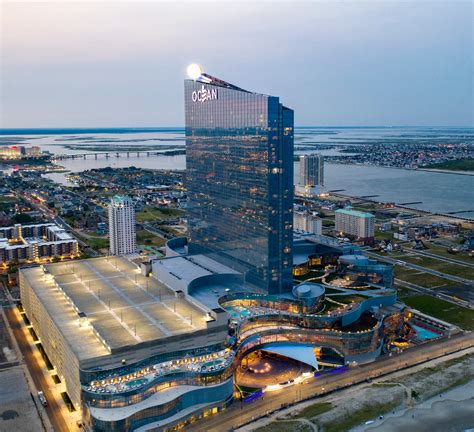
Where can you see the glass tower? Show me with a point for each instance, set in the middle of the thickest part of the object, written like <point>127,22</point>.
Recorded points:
<point>312,170</point>
<point>239,159</point>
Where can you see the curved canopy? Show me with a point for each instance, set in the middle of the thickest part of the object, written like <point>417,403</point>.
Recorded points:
<point>302,353</point>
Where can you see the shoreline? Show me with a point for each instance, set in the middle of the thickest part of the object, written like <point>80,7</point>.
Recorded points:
<point>454,406</point>
<point>343,399</point>
<point>442,171</point>
<point>424,212</point>
<point>455,217</point>
<point>432,170</point>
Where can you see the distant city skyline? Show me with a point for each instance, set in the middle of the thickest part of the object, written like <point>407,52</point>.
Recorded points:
<point>101,65</point>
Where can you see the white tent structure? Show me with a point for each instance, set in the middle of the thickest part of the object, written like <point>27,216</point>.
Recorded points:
<point>302,353</point>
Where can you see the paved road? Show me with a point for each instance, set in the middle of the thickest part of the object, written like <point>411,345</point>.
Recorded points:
<point>420,268</point>
<point>53,409</point>
<point>442,258</point>
<point>63,224</point>
<point>240,413</point>
<point>58,220</point>
<point>156,231</point>
<point>434,293</point>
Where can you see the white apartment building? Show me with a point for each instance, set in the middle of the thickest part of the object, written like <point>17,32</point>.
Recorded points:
<point>355,223</point>
<point>307,222</point>
<point>122,231</point>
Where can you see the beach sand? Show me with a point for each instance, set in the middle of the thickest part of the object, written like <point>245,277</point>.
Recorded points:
<point>451,411</point>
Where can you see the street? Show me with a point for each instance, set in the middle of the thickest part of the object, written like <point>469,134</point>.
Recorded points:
<point>420,268</point>
<point>433,293</point>
<point>53,409</point>
<point>442,258</point>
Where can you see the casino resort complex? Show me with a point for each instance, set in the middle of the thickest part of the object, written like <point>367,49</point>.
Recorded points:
<point>241,306</point>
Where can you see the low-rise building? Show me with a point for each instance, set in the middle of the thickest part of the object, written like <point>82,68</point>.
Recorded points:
<point>385,226</point>
<point>359,268</point>
<point>307,222</point>
<point>36,243</point>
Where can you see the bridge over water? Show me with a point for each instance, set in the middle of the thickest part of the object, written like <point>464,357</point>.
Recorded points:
<point>117,154</point>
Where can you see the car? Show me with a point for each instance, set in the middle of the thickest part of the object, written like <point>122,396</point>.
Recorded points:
<point>42,398</point>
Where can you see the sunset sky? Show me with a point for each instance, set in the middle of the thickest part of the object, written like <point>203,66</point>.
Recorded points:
<point>112,64</point>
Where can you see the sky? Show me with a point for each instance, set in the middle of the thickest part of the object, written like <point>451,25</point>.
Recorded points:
<point>337,63</point>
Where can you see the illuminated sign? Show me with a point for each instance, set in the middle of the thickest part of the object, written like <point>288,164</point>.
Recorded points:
<point>204,94</point>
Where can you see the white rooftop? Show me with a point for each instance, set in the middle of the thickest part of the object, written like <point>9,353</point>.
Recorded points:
<point>120,306</point>
<point>192,267</point>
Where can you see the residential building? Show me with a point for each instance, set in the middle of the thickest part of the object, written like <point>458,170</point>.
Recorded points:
<point>122,229</point>
<point>18,152</point>
<point>311,178</point>
<point>307,222</point>
<point>355,223</point>
<point>239,160</point>
<point>36,243</point>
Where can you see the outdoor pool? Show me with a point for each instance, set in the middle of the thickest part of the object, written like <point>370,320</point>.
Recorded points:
<point>423,333</point>
<point>238,311</point>
<point>136,382</point>
<point>212,363</point>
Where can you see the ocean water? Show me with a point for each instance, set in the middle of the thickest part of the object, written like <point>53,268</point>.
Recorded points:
<point>437,192</point>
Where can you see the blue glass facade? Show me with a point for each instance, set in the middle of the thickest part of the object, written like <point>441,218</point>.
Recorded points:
<point>239,157</point>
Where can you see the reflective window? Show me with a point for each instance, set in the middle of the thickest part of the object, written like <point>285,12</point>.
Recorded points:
<point>239,159</point>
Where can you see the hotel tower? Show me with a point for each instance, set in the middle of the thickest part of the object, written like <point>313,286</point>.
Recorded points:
<point>239,159</point>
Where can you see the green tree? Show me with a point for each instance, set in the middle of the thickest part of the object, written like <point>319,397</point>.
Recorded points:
<point>22,218</point>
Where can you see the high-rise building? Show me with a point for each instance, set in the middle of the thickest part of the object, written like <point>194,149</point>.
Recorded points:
<point>122,226</point>
<point>311,180</point>
<point>239,158</point>
<point>356,223</point>
<point>15,151</point>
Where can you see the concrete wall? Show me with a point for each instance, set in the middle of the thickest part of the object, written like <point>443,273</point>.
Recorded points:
<point>52,340</point>
<point>176,246</point>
